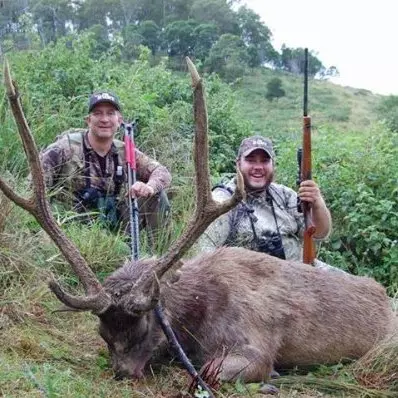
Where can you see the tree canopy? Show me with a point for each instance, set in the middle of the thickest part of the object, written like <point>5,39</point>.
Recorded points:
<point>227,39</point>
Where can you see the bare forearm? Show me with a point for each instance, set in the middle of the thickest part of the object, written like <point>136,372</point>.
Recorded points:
<point>310,193</point>
<point>321,218</point>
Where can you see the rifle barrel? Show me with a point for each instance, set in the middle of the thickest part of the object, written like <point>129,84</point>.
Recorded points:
<point>305,104</point>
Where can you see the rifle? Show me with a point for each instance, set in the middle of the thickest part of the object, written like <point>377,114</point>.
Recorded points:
<point>129,151</point>
<point>304,163</point>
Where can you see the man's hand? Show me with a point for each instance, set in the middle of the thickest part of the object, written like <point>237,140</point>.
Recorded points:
<point>141,190</point>
<point>309,192</point>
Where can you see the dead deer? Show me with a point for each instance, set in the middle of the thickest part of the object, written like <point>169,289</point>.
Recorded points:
<point>249,311</point>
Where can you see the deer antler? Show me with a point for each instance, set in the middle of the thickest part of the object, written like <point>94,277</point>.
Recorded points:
<point>38,206</point>
<point>206,210</point>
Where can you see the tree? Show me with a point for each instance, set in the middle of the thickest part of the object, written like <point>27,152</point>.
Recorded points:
<point>124,14</point>
<point>179,38</point>
<point>205,37</point>
<point>146,33</point>
<point>257,38</point>
<point>162,12</point>
<point>101,42</point>
<point>217,12</point>
<point>274,89</point>
<point>332,71</point>
<point>228,57</point>
<point>51,18</point>
<point>12,30</point>
<point>92,12</point>
<point>292,60</point>
<point>175,10</point>
<point>150,33</point>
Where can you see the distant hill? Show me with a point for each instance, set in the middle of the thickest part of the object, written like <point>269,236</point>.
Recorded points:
<point>329,104</point>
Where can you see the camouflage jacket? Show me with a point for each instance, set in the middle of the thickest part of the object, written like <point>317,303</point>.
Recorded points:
<point>235,228</point>
<point>64,167</point>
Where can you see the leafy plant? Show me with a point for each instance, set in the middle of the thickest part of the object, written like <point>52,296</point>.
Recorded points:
<point>274,89</point>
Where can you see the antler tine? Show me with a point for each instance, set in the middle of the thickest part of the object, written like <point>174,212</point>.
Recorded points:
<point>207,210</point>
<point>38,206</point>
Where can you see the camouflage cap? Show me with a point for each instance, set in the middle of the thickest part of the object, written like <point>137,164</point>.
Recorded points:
<point>103,96</point>
<point>250,144</point>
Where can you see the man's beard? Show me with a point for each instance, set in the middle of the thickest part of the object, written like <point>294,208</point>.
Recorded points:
<point>268,181</point>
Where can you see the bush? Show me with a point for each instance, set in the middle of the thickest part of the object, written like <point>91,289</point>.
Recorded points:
<point>274,89</point>
<point>359,178</point>
<point>388,111</point>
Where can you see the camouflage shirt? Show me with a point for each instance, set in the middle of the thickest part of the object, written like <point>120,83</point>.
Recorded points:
<point>63,164</point>
<point>235,228</point>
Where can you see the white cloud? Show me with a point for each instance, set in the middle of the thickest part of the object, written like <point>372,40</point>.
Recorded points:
<point>358,37</point>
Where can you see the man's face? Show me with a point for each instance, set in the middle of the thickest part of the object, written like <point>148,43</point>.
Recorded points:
<point>257,170</point>
<point>104,120</point>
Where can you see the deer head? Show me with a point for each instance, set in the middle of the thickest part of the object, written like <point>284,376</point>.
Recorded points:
<point>124,302</point>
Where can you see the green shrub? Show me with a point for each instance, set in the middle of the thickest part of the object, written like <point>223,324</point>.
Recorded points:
<point>388,111</point>
<point>359,178</point>
<point>274,89</point>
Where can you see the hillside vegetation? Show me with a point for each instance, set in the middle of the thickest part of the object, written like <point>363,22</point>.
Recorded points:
<point>346,108</point>
<point>51,354</point>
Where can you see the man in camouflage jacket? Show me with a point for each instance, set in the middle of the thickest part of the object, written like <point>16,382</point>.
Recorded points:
<point>83,168</point>
<point>268,221</point>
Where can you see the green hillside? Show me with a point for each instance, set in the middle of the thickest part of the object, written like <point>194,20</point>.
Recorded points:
<point>345,108</point>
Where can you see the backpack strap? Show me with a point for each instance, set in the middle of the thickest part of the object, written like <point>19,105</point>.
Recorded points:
<point>86,159</point>
<point>244,210</point>
<point>118,176</point>
<point>235,216</point>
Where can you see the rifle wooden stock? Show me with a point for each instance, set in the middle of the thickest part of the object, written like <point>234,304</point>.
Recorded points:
<point>306,174</point>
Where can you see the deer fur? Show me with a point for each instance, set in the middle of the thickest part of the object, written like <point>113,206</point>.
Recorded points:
<point>251,311</point>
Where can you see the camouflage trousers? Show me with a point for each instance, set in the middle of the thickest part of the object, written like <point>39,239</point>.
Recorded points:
<point>154,216</point>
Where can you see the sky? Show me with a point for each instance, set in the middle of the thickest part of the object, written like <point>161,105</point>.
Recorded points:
<point>360,38</point>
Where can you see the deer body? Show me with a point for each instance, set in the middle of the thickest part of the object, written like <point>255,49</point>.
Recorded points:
<point>255,310</point>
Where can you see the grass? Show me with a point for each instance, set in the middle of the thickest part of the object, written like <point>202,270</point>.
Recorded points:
<point>344,107</point>
<point>379,367</point>
<point>45,353</point>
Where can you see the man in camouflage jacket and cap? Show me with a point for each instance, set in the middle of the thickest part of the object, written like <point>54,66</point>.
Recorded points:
<point>268,221</point>
<point>86,169</point>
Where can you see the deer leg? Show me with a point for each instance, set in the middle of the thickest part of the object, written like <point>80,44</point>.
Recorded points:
<point>249,364</point>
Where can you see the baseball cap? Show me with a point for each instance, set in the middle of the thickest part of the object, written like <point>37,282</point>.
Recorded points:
<point>103,96</point>
<point>248,145</point>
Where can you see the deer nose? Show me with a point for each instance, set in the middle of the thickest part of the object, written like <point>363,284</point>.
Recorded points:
<point>118,376</point>
<point>121,374</point>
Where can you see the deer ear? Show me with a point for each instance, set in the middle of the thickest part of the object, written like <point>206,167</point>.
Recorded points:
<point>173,274</point>
<point>139,301</point>
<point>175,277</point>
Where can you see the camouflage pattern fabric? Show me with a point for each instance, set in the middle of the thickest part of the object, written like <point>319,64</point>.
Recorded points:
<point>63,166</point>
<point>290,222</point>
